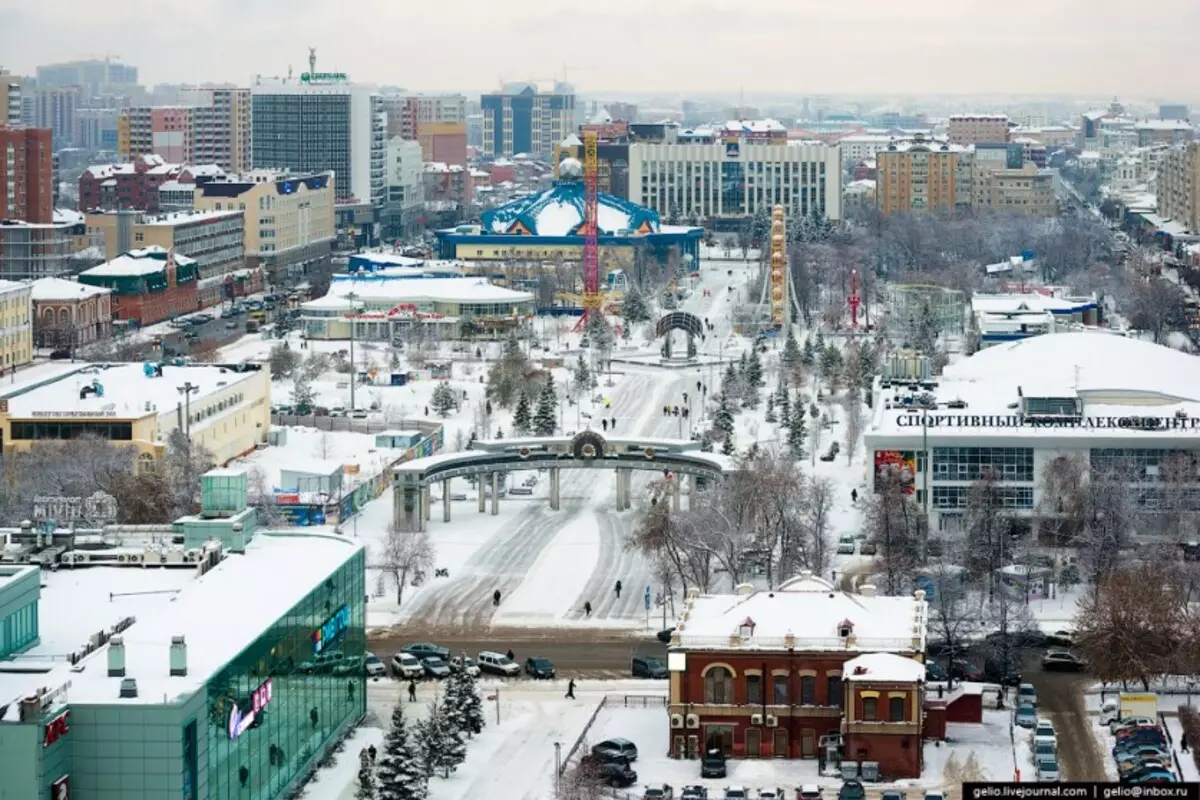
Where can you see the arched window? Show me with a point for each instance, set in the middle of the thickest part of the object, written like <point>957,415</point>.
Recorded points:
<point>718,686</point>
<point>48,316</point>
<point>64,316</point>
<point>808,690</point>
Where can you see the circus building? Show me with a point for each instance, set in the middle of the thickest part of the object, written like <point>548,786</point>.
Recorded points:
<point>549,227</point>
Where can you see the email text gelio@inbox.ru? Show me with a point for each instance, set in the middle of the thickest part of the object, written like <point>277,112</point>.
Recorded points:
<point>1079,791</point>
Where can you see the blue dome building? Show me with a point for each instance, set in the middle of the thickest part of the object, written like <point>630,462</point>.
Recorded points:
<point>549,226</point>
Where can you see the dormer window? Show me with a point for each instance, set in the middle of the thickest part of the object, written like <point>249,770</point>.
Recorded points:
<point>746,629</point>
<point>845,628</point>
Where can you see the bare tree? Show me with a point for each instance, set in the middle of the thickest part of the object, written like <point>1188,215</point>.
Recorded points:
<point>182,465</point>
<point>818,511</point>
<point>406,556</point>
<point>854,422</point>
<point>897,526</point>
<point>1110,521</point>
<point>262,498</point>
<point>1157,306</point>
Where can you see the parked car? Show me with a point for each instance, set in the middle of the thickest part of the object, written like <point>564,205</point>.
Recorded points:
<point>736,793</point>
<point>868,548</point>
<point>693,793</point>
<point>616,773</point>
<point>935,672</point>
<point>435,668</point>
<point>1044,751</point>
<point>1061,639</point>
<point>963,670</point>
<point>1145,751</point>
<point>426,649</point>
<point>643,667</point>
<point>995,671</point>
<point>809,791</point>
<point>1062,661</point>
<point>1148,776</point>
<point>852,790</point>
<point>1118,725</point>
<point>459,663</point>
<point>664,635</point>
<point>615,749</point>
<point>373,666</point>
<point>846,546</point>
<point>891,795</point>
<point>1017,640</point>
<point>1047,771</point>
<point>1025,717</point>
<point>658,791</point>
<point>1027,694</point>
<point>1131,764</point>
<point>536,667</point>
<point>712,765</point>
<point>1044,732</point>
<point>407,666</point>
<point>497,664</point>
<point>770,794</point>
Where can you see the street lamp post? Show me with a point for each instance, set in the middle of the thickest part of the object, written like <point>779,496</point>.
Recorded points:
<point>186,390</point>
<point>351,296</point>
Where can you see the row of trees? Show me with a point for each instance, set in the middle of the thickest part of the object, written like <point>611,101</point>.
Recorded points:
<point>436,744</point>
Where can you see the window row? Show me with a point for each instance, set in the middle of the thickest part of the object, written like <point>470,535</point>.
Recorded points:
<point>1145,464</point>
<point>773,689</point>
<point>113,431</point>
<point>896,710</point>
<point>972,463</point>
<point>959,496</point>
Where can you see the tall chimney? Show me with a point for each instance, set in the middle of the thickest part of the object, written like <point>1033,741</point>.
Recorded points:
<point>116,657</point>
<point>178,655</point>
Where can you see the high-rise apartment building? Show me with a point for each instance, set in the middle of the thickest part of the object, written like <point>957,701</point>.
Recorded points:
<point>215,130</point>
<point>1178,185</point>
<point>1022,190</point>
<point>1174,111</point>
<point>26,175</point>
<point>733,179</point>
<point>10,98</point>
<point>96,128</point>
<point>55,109</point>
<point>978,128</point>
<point>923,175</point>
<point>527,121</point>
<point>319,123</point>
<point>406,188</point>
<point>94,76</point>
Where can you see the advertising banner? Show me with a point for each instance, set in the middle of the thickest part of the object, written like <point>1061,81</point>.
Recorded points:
<point>901,462</point>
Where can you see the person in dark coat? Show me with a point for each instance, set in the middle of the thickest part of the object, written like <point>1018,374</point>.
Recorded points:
<point>371,751</point>
<point>496,597</point>
<point>854,495</point>
<point>571,689</point>
<point>412,691</point>
<point>510,655</point>
<point>618,588</point>
<point>587,608</point>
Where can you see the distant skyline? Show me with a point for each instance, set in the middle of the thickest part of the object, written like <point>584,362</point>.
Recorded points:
<point>802,47</point>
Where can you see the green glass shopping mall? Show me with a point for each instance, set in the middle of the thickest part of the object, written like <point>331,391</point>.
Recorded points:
<point>231,690</point>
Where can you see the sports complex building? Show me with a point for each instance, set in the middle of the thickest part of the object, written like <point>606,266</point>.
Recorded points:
<point>1116,403</point>
<point>234,685</point>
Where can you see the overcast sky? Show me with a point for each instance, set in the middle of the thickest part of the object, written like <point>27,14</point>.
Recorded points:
<point>801,46</point>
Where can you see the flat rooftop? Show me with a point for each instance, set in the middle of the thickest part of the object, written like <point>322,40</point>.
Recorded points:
<point>1112,377</point>
<point>126,389</point>
<point>435,290</point>
<point>219,615</point>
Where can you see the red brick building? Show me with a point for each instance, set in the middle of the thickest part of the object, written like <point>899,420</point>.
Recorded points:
<point>68,314</point>
<point>126,187</point>
<point>27,165</point>
<point>148,285</point>
<point>763,674</point>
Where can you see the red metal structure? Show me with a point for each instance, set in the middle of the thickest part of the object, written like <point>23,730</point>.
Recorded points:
<point>853,300</point>
<point>591,256</point>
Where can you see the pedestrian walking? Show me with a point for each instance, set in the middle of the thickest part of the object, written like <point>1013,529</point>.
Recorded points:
<point>571,689</point>
<point>854,495</point>
<point>510,655</point>
<point>412,690</point>
<point>614,423</point>
<point>427,411</point>
<point>604,424</point>
<point>587,608</point>
<point>618,588</point>
<point>496,597</point>
<point>371,751</point>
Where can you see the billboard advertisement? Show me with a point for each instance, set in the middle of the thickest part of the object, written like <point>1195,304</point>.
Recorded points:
<point>900,462</point>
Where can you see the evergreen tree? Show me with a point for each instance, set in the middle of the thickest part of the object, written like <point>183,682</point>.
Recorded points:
<point>760,225</point>
<point>723,416</point>
<point>819,344</point>
<point>866,363</point>
<point>468,701</point>
<point>365,788</point>
<point>506,377</point>
<point>754,371</point>
<point>582,377</point>
<point>706,442</point>
<point>831,362</point>
<point>303,394</point>
<point>452,704</point>
<point>731,385</point>
<point>523,416</point>
<point>926,335</point>
<point>545,420</point>
<point>634,307</point>
<point>443,401</point>
<point>727,445</point>
<point>441,743</point>
<point>402,774</point>
<point>791,352</point>
<point>796,433</point>
<point>806,354</point>
<point>770,414</point>
<point>785,406</point>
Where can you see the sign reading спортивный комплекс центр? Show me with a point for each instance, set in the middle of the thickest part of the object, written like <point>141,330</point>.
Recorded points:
<point>1016,421</point>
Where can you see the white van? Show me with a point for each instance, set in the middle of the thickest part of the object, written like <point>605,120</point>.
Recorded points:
<point>406,666</point>
<point>498,664</point>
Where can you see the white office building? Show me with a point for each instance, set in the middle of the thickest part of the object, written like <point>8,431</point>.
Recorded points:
<point>1120,405</point>
<point>321,122</point>
<point>405,188</point>
<point>732,180</point>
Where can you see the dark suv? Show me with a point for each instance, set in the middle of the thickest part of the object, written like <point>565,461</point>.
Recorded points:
<point>617,773</point>
<point>648,668</point>
<point>539,667</point>
<point>713,764</point>
<point>423,650</point>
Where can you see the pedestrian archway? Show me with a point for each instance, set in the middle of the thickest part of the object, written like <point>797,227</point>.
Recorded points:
<point>690,324</point>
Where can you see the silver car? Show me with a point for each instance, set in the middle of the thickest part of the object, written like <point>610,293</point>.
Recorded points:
<point>1047,771</point>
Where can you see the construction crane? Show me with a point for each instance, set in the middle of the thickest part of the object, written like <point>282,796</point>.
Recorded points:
<point>592,301</point>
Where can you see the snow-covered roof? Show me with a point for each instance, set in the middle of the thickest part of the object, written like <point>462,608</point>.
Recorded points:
<point>754,126</point>
<point>1030,301</point>
<point>1116,380</point>
<point>176,186</point>
<point>436,290</point>
<point>571,141</point>
<point>219,615</point>
<point>934,145</point>
<point>126,391</point>
<point>144,261</point>
<point>809,609</point>
<point>188,217</point>
<point>48,289</point>
<point>1163,125</point>
<point>884,668</point>
<point>68,216</point>
<point>559,211</point>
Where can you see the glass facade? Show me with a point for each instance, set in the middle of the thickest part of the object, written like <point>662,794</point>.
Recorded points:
<point>279,702</point>
<point>969,463</point>
<point>952,497</point>
<point>1142,464</point>
<point>19,629</point>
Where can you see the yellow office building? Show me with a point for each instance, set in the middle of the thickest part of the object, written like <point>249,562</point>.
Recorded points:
<point>16,325</point>
<point>225,410</point>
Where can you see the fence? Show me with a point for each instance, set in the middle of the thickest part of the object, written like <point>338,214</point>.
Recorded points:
<point>562,767</point>
<point>612,701</point>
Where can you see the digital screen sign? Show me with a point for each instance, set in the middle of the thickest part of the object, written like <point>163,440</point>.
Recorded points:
<point>334,627</point>
<point>239,720</point>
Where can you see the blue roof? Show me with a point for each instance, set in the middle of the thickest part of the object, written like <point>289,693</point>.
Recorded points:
<point>559,212</point>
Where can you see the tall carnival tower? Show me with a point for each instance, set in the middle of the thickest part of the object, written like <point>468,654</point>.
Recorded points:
<point>781,306</point>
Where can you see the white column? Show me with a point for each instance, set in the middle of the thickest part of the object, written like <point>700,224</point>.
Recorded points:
<point>495,493</point>
<point>446,500</point>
